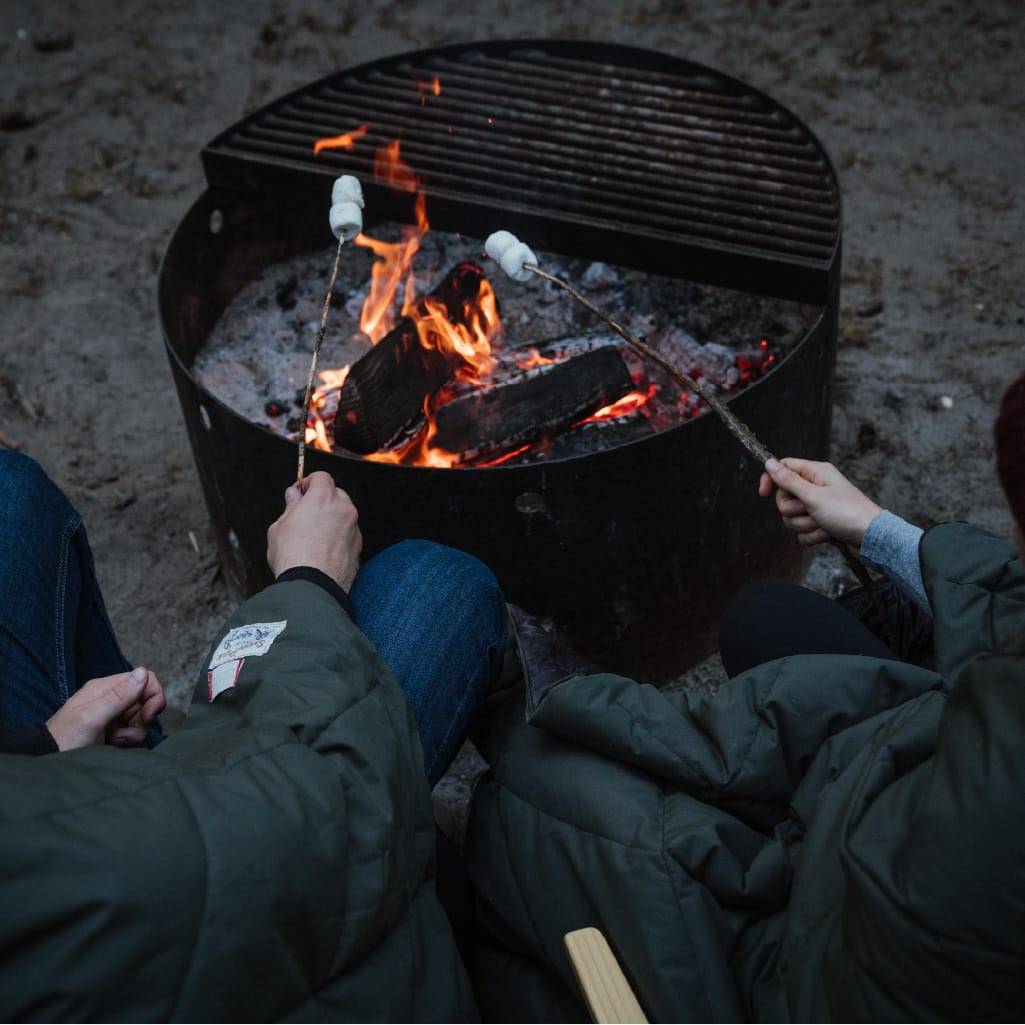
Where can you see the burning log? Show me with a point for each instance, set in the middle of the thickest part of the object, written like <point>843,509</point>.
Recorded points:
<point>542,402</point>
<point>386,388</point>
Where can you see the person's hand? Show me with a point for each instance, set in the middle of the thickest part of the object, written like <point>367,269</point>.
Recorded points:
<point>817,502</point>
<point>117,709</point>
<point>318,528</point>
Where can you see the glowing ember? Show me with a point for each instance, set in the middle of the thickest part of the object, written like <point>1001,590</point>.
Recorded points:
<point>346,141</point>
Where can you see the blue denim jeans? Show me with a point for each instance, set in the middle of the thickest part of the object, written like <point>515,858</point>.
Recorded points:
<point>54,631</point>
<point>438,618</point>
<point>436,615</point>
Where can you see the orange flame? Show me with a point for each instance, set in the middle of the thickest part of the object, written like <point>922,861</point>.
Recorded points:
<point>316,433</point>
<point>532,358</point>
<point>469,340</point>
<point>392,169</point>
<point>330,380</point>
<point>394,265</point>
<point>629,403</point>
<point>422,87</point>
<point>346,141</point>
<point>418,450</point>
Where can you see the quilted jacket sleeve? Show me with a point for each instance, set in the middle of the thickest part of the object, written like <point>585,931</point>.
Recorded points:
<point>273,859</point>
<point>744,748</point>
<point>976,586</point>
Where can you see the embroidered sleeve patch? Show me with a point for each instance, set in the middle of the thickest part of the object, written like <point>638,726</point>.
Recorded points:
<point>236,646</point>
<point>244,641</point>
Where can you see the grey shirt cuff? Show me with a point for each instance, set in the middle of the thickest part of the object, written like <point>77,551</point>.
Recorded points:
<point>891,544</point>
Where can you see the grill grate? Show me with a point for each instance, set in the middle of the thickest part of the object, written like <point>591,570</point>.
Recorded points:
<point>590,149</point>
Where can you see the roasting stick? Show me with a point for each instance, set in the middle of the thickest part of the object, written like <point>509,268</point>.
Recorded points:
<point>346,219</point>
<point>313,362</point>
<point>737,428</point>
<point>518,262</point>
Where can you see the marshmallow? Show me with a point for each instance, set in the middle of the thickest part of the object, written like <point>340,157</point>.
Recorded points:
<point>346,220</point>
<point>347,190</point>
<point>511,254</point>
<point>513,260</point>
<point>498,242</point>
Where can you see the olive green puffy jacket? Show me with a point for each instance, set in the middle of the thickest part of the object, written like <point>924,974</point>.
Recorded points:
<point>273,860</point>
<point>825,838</point>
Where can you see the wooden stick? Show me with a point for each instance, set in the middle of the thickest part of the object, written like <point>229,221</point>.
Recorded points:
<point>313,361</point>
<point>602,982</point>
<point>737,427</point>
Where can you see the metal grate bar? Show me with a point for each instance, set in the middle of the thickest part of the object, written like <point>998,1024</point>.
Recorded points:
<point>552,117</point>
<point>743,231</point>
<point>622,143</point>
<point>576,167</point>
<point>680,170</point>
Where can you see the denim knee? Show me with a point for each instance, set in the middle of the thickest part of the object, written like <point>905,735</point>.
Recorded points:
<point>468,569</point>
<point>464,573</point>
<point>33,510</point>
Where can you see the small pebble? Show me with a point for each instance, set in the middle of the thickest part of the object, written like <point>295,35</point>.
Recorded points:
<point>56,42</point>
<point>946,402</point>
<point>868,437</point>
<point>599,276</point>
<point>285,295</point>
<point>16,120</point>
<point>870,309</point>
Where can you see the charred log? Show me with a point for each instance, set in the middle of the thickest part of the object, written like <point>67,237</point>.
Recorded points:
<point>596,436</point>
<point>387,387</point>
<point>544,401</point>
<point>510,364</point>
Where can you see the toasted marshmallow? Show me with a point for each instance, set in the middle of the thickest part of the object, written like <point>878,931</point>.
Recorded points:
<point>346,220</point>
<point>347,190</point>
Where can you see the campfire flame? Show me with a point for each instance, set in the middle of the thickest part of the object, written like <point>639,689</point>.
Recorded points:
<point>393,269</point>
<point>532,358</point>
<point>346,141</point>
<point>629,403</point>
<point>422,88</point>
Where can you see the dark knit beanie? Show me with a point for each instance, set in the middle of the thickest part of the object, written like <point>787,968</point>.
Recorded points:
<point>1010,446</point>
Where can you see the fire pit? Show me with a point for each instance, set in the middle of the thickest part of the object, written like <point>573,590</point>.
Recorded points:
<point>629,536</point>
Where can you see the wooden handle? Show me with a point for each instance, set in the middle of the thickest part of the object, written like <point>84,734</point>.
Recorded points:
<point>601,980</point>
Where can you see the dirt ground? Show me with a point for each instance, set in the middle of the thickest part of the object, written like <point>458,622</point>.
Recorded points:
<point>104,109</point>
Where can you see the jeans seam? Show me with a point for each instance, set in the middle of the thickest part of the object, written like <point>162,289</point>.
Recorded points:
<point>62,579</point>
<point>470,691</point>
<point>96,596</point>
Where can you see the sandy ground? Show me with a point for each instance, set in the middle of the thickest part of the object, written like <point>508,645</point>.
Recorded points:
<point>105,106</point>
